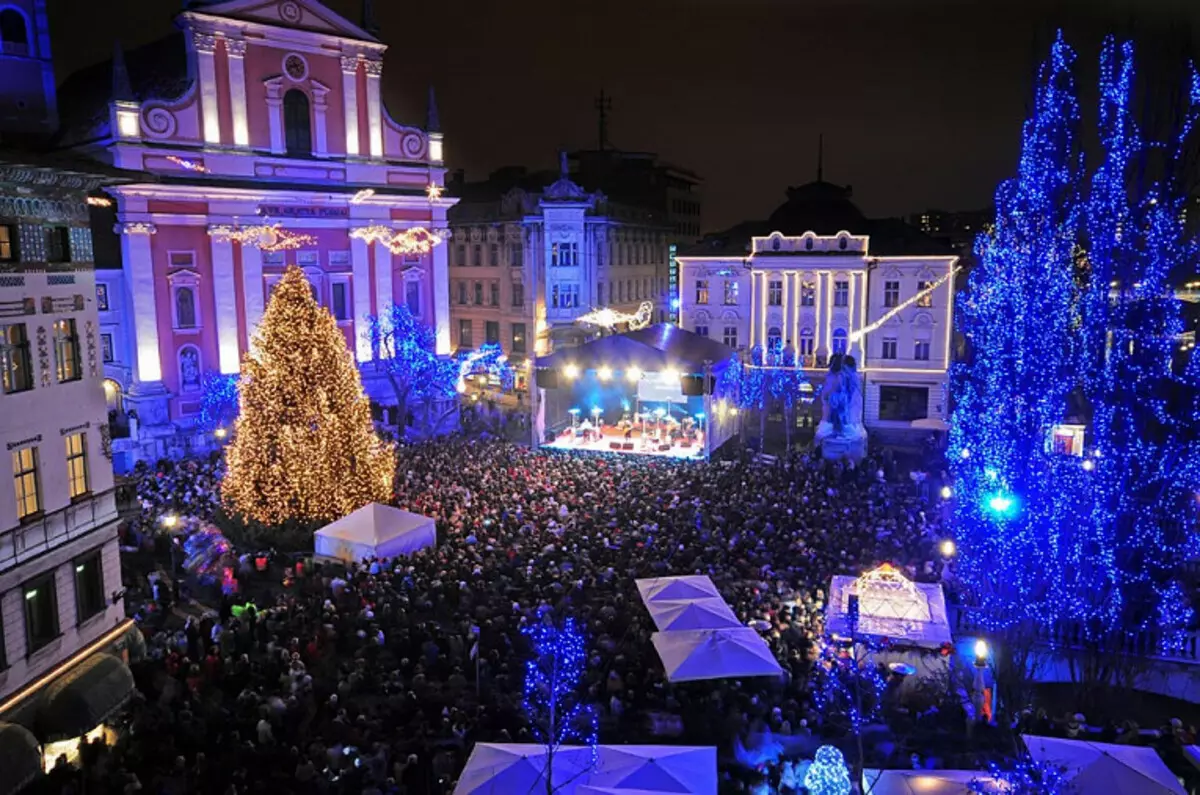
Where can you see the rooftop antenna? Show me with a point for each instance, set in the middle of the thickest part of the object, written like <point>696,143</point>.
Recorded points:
<point>603,105</point>
<point>821,157</point>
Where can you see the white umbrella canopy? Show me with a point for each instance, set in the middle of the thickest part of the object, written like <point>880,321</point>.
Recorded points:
<point>689,586</point>
<point>689,655</point>
<point>1104,767</point>
<point>507,768</point>
<point>656,768</point>
<point>692,614</point>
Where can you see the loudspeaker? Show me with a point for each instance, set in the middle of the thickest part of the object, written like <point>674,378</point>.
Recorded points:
<point>547,378</point>
<point>692,385</point>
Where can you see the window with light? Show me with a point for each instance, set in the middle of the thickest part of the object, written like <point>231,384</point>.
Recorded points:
<point>77,470</point>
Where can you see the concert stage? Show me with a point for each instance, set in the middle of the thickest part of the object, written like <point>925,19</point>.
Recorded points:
<point>614,441</point>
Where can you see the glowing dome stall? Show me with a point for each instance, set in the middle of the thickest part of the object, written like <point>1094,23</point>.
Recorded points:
<point>648,391</point>
<point>904,623</point>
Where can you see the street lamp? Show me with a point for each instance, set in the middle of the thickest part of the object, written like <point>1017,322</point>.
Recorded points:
<point>220,433</point>
<point>947,492</point>
<point>169,520</point>
<point>981,653</point>
<point>948,548</point>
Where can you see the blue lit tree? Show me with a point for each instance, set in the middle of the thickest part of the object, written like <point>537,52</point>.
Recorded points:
<point>770,378</point>
<point>1019,319</point>
<point>490,360</point>
<point>1023,777</point>
<point>406,351</point>
<point>553,695</point>
<point>827,775</point>
<point>219,401</point>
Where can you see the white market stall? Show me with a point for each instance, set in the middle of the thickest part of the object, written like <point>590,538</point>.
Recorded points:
<point>689,586</point>
<point>681,614</point>
<point>506,768</point>
<point>1105,767</point>
<point>690,655</point>
<point>930,782</point>
<point>889,606</point>
<point>375,530</point>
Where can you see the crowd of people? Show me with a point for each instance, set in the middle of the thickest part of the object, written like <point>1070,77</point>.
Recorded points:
<point>380,678</point>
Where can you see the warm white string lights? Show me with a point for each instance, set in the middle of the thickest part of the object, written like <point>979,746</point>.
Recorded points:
<point>417,240</point>
<point>857,335</point>
<point>609,317</point>
<point>265,237</point>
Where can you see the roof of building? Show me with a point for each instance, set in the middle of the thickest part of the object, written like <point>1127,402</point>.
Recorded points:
<point>650,349</point>
<point>157,70</point>
<point>825,209</point>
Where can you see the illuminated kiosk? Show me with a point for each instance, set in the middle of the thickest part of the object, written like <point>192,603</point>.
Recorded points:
<point>900,621</point>
<point>648,391</point>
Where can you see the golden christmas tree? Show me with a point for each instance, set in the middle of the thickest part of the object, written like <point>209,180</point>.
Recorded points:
<point>305,447</point>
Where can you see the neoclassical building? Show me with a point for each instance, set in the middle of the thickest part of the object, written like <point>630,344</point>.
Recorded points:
<point>820,277</point>
<point>260,139</point>
<point>532,252</point>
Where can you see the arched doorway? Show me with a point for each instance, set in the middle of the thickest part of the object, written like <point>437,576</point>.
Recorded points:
<point>112,395</point>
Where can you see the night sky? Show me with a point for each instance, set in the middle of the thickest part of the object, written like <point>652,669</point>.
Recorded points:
<point>920,102</point>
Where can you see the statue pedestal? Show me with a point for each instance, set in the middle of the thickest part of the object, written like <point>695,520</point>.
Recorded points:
<point>836,449</point>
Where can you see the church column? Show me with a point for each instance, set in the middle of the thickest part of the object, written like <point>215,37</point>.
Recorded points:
<point>275,114</point>
<point>320,106</point>
<point>789,312</point>
<point>235,50</point>
<point>138,267</point>
<point>857,287</point>
<point>374,106</point>
<point>383,279</point>
<point>441,284</point>
<point>205,45</point>
<point>350,101</point>
<point>823,309</point>
<point>252,288</point>
<point>361,271</point>
<point>225,299</point>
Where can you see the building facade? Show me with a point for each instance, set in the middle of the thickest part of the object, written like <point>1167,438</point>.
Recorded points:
<point>261,140</point>
<point>528,258</point>
<point>60,572</point>
<point>833,293</point>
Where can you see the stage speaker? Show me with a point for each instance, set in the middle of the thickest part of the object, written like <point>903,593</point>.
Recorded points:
<point>547,378</point>
<point>692,385</point>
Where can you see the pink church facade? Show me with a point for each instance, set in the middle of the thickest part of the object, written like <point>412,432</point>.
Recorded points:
<point>278,122</point>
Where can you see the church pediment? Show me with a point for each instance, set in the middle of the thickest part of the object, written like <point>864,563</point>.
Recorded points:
<point>295,14</point>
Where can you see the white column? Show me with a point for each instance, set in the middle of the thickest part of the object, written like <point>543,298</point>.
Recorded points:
<point>441,289</point>
<point>383,279</point>
<point>820,300</point>
<point>857,285</point>
<point>205,45</point>
<point>361,287</point>
<point>320,106</point>
<point>252,288</point>
<point>350,102</point>
<point>374,106</point>
<point>235,52</point>
<point>138,266</point>
<point>275,114</point>
<point>225,298</point>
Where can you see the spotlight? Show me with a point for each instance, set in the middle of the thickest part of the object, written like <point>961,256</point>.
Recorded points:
<point>604,373</point>
<point>633,374</point>
<point>595,411</point>
<point>671,374</point>
<point>947,492</point>
<point>571,371</point>
<point>948,548</point>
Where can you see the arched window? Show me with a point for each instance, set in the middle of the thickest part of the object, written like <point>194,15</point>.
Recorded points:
<point>297,123</point>
<point>14,37</point>
<point>185,307</point>
<point>807,342</point>
<point>774,339</point>
<point>839,340</point>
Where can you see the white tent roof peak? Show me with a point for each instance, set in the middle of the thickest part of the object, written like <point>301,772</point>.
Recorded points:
<point>374,522</point>
<point>689,586</point>
<point>709,613</point>
<point>689,655</point>
<point>1106,767</point>
<point>375,530</point>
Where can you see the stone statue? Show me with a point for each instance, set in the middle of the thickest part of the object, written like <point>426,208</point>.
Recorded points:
<point>841,433</point>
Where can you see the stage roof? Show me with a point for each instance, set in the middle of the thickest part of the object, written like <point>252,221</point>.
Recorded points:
<point>651,349</point>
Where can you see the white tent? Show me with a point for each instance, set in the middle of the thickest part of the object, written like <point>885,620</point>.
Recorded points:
<point>929,782</point>
<point>506,768</point>
<point>889,605</point>
<point>1104,767</point>
<point>656,768</point>
<point>692,614</point>
<point>691,586</point>
<point>375,530</point>
<point>689,655</point>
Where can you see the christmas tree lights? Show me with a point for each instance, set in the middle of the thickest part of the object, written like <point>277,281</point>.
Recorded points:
<point>552,691</point>
<point>406,352</point>
<point>305,446</point>
<point>827,775</point>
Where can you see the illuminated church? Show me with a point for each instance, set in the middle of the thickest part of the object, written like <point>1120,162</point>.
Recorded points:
<point>255,137</point>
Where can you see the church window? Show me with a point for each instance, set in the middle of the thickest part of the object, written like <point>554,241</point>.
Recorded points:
<point>297,123</point>
<point>14,37</point>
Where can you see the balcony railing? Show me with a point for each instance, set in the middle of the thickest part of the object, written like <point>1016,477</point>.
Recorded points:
<point>32,538</point>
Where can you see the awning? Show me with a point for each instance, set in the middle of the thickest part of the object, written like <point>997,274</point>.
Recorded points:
<point>20,758</point>
<point>84,697</point>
